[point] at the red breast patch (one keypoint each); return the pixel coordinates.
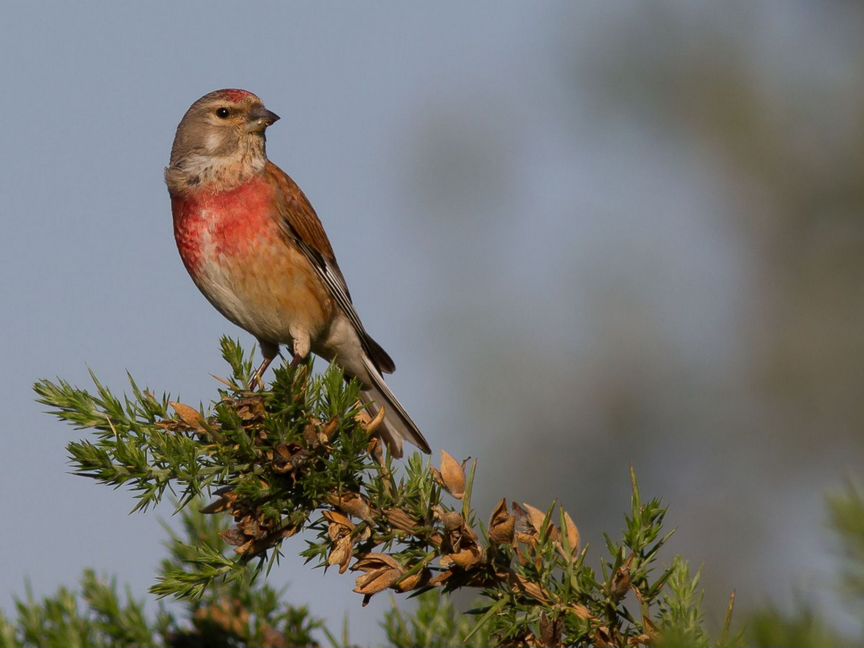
(231, 223)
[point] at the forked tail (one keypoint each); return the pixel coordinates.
(397, 424)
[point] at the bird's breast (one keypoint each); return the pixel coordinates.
(209, 226)
(238, 256)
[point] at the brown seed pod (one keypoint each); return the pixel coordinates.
(452, 476)
(501, 525)
(341, 553)
(190, 416)
(399, 519)
(352, 504)
(376, 422)
(377, 580)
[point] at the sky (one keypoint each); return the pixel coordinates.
(521, 249)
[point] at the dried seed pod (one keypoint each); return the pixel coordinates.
(550, 630)
(580, 611)
(335, 531)
(535, 516)
(190, 416)
(441, 578)
(249, 409)
(399, 519)
(310, 433)
(341, 553)
(222, 504)
(281, 467)
(414, 581)
(465, 558)
(234, 536)
(329, 431)
(335, 517)
(603, 638)
(376, 422)
(362, 416)
(287, 457)
(373, 561)
(250, 526)
(352, 504)
(377, 580)
(622, 579)
(524, 529)
(452, 520)
(255, 546)
(532, 589)
(501, 525)
(452, 475)
(245, 548)
(376, 450)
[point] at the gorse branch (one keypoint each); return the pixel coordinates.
(301, 456)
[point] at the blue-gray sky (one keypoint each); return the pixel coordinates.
(520, 243)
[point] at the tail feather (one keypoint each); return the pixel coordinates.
(397, 425)
(379, 356)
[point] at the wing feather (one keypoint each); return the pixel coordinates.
(301, 224)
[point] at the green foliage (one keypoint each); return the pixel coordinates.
(241, 611)
(804, 626)
(772, 629)
(301, 457)
(434, 624)
(681, 609)
(846, 511)
(237, 614)
(101, 619)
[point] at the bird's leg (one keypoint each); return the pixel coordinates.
(269, 351)
(258, 378)
(297, 360)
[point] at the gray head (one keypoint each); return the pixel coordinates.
(222, 134)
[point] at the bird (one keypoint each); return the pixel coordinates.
(256, 249)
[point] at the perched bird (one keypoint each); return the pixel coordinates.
(254, 246)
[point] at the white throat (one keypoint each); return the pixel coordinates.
(221, 172)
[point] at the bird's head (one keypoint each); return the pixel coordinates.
(224, 129)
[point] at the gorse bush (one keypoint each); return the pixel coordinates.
(300, 458)
(242, 612)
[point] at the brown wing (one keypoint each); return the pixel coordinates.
(298, 220)
(298, 213)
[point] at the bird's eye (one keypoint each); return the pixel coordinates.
(223, 113)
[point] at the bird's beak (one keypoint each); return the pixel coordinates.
(260, 118)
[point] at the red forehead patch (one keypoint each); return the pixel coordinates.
(237, 95)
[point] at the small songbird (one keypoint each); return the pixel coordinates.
(254, 246)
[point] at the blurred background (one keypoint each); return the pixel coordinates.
(591, 235)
